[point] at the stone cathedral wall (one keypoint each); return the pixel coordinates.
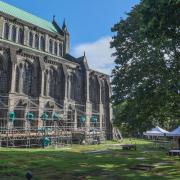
(36, 73)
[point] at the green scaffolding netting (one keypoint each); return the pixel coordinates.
(45, 141)
(82, 119)
(29, 116)
(94, 119)
(44, 116)
(56, 116)
(11, 116)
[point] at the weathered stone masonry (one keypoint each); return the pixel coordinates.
(35, 64)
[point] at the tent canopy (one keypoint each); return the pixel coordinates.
(175, 133)
(157, 131)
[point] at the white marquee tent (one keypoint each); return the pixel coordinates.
(157, 131)
(175, 133)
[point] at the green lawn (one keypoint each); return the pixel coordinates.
(78, 162)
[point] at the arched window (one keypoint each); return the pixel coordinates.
(55, 48)
(30, 39)
(21, 36)
(42, 43)
(52, 82)
(27, 78)
(14, 33)
(94, 89)
(3, 77)
(6, 31)
(73, 81)
(36, 41)
(60, 49)
(50, 46)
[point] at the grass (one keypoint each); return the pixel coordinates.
(79, 163)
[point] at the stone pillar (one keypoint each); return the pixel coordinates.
(101, 113)
(46, 43)
(10, 31)
(26, 36)
(75, 119)
(88, 115)
(65, 91)
(33, 39)
(100, 106)
(41, 110)
(87, 86)
(58, 48)
(13, 70)
(66, 87)
(42, 83)
(69, 86)
(11, 103)
(39, 36)
(88, 104)
(2, 27)
(13, 79)
(21, 80)
(17, 34)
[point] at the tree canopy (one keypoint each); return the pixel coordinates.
(146, 78)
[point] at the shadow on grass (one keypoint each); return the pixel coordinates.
(56, 164)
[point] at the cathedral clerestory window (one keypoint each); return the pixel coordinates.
(24, 76)
(6, 31)
(52, 83)
(21, 36)
(42, 43)
(14, 33)
(36, 41)
(27, 78)
(50, 46)
(30, 39)
(60, 49)
(55, 48)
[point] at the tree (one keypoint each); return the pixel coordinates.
(146, 78)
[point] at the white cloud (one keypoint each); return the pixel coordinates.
(98, 54)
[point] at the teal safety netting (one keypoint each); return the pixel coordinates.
(11, 116)
(56, 116)
(94, 119)
(82, 119)
(45, 141)
(44, 116)
(29, 116)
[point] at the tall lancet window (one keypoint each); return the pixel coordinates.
(30, 39)
(52, 82)
(6, 31)
(21, 36)
(50, 46)
(60, 49)
(36, 41)
(42, 43)
(55, 48)
(14, 30)
(73, 81)
(27, 78)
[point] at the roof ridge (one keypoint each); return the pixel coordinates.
(27, 16)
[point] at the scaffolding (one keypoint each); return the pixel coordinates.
(27, 122)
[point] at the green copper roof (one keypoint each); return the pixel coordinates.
(25, 16)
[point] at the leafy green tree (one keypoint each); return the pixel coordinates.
(146, 78)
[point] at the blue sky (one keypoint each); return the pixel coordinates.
(89, 23)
